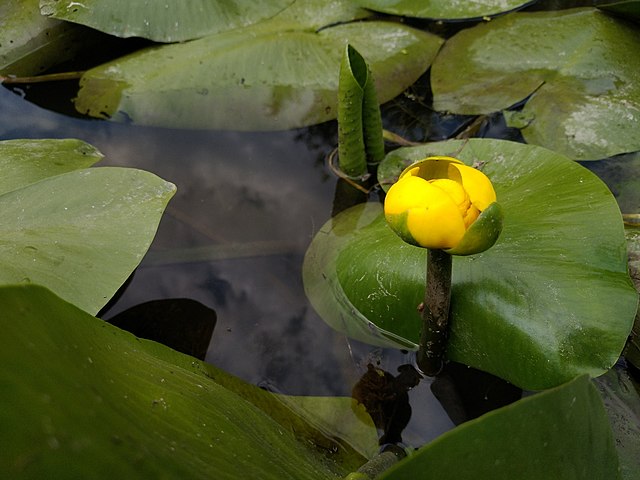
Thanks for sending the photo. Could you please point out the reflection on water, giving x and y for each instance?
(233, 238)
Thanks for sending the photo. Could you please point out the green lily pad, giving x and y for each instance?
(80, 233)
(560, 433)
(279, 74)
(31, 43)
(574, 65)
(445, 10)
(163, 20)
(552, 299)
(84, 399)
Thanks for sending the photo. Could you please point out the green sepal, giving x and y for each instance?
(482, 234)
(398, 223)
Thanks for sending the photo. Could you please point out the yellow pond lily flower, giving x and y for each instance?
(441, 203)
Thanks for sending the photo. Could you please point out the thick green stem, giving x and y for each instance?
(435, 312)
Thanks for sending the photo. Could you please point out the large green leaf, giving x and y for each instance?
(443, 9)
(576, 66)
(278, 74)
(163, 20)
(562, 433)
(31, 43)
(84, 399)
(80, 233)
(551, 300)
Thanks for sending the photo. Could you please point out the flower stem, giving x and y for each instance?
(435, 312)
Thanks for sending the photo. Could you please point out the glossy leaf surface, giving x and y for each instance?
(279, 74)
(84, 399)
(163, 20)
(550, 300)
(80, 233)
(560, 433)
(575, 66)
(443, 9)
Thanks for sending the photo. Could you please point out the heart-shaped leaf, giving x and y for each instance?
(575, 65)
(80, 233)
(550, 300)
(278, 74)
(84, 399)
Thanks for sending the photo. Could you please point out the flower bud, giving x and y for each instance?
(441, 203)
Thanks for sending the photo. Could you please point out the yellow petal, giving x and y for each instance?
(470, 216)
(405, 194)
(455, 191)
(477, 185)
(432, 218)
(438, 226)
(431, 168)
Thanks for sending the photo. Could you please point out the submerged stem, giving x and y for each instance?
(435, 313)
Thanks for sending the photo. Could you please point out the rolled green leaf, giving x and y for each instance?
(359, 123)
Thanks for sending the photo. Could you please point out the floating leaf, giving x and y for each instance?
(163, 20)
(80, 233)
(279, 74)
(31, 43)
(575, 65)
(84, 399)
(560, 433)
(550, 300)
(443, 9)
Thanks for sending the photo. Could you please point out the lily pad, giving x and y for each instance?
(552, 299)
(560, 433)
(84, 399)
(443, 9)
(31, 43)
(80, 233)
(573, 66)
(163, 20)
(279, 74)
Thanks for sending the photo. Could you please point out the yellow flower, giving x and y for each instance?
(441, 203)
